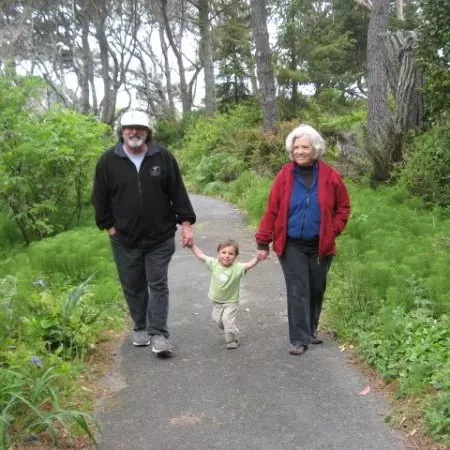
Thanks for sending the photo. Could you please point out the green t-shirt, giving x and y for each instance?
(225, 281)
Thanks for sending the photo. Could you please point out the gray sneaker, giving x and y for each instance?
(232, 344)
(141, 338)
(161, 346)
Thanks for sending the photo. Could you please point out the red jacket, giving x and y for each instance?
(334, 204)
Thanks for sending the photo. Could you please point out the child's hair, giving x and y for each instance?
(228, 243)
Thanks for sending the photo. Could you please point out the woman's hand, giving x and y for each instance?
(262, 255)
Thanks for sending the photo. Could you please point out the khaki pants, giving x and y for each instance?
(224, 314)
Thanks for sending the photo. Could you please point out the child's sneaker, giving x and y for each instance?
(232, 344)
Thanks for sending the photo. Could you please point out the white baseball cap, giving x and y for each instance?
(137, 118)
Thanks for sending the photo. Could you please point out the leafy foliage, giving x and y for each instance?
(171, 132)
(426, 172)
(221, 149)
(46, 161)
(434, 55)
(233, 51)
(205, 136)
(56, 298)
(389, 290)
(320, 46)
(30, 402)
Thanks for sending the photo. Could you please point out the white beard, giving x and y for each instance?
(135, 143)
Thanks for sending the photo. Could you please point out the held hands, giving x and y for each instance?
(187, 235)
(262, 255)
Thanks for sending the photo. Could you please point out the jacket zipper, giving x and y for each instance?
(139, 188)
(139, 184)
(138, 179)
(305, 214)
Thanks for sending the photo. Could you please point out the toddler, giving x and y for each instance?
(226, 275)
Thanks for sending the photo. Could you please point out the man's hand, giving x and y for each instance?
(111, 231)
(187, 234)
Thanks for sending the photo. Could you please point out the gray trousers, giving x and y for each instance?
(143, 274)
(306, 281)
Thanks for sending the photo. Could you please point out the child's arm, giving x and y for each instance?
(252, 263)
(198, 253)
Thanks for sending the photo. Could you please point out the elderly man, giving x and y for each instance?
(139, 198)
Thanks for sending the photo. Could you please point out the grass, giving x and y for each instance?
(388, 294)
(57, 297)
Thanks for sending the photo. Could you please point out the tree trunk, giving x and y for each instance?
(186, 100)
(167, 72)
(85, 70)
(112, 43)
(381, 140)
(399, 6)
(405, 80)
(108, 107)
(252, 75)
(207, 56)
(94, 92)
(264, 64)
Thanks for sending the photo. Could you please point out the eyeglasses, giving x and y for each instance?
(135, 127)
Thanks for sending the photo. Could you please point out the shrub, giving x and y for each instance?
(170, 132)
(426, 172)
(205, 136)
(217, 167)
(9, 232)
(269, 151)
(432, 54)
(46, 160)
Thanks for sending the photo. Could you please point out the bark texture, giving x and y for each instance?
(381, 139)
(264, 64)
(405, 80)
(207, 55)
(186, 94)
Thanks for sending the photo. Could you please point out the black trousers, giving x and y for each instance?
(143, 273)
(306, 280)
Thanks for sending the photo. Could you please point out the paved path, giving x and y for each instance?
(257, 397)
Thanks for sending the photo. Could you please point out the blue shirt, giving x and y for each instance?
(304, 211)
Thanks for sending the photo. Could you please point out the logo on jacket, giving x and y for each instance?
(155, 171)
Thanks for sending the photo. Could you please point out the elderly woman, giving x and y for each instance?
(308, 206)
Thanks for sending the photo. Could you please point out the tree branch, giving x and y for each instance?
(365, 3)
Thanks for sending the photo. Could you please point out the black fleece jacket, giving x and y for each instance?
(144, 206)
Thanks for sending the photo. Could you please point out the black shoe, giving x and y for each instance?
(315, 340)
(297, 349)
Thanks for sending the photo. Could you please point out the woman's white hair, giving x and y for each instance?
(317, 141)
